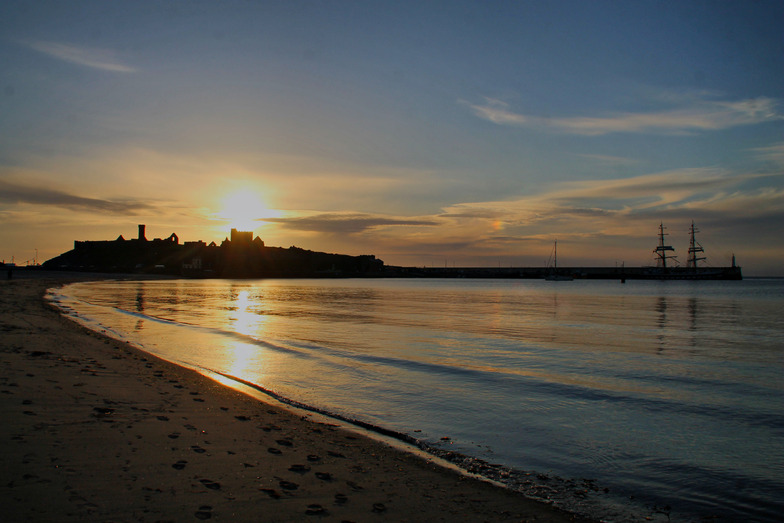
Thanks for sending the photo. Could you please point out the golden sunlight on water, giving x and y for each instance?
(243, 358)
(245, 321)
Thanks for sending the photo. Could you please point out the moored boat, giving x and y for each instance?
(553, 274)
(692, 271)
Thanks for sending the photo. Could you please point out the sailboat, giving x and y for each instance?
(553, 274)
(692, 271)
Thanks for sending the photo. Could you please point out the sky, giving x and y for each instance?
(428, 133)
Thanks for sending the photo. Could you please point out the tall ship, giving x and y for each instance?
(668, 268)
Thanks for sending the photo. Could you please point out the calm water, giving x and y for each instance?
(667, 396)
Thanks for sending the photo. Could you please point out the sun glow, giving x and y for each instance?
(244, 210)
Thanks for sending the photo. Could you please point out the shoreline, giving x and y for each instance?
(104, 431)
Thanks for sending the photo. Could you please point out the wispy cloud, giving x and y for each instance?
(645, 194)
(95, 58)
(343, 223)
(14, 193)
(700, 115)
(610, 161)
(773, 153)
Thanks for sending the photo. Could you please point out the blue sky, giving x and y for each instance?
(427, 133)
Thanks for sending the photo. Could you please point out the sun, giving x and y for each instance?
(243, 209)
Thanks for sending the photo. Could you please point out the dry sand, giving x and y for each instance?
(95, 430)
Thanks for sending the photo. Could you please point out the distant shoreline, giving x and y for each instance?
(578, 273)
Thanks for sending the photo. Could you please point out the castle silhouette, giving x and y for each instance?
(240, 256)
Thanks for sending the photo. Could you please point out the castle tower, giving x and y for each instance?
(241, 237)
(141, 233)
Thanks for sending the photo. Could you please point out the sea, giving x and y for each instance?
(636, 401)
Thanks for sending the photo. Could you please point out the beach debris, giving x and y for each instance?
(100, 412)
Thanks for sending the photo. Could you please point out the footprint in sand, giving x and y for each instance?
(324, 476)
(340, 498)
(284, 443)
(313, 458)
(212, 485)
(379, 507)
(273, 450)
(179, 465)
(354, 486)
(299, 469)
(174, 435)
(316, 510)
(197, 449)
(288, 485)
(204, 512)
(274, 494)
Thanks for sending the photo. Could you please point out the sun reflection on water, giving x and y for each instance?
(244, 358)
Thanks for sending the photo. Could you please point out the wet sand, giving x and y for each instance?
(95, 430)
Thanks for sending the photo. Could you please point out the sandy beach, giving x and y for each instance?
(95, 430)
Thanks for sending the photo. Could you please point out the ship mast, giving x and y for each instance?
(661, 249)
(694, 248)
